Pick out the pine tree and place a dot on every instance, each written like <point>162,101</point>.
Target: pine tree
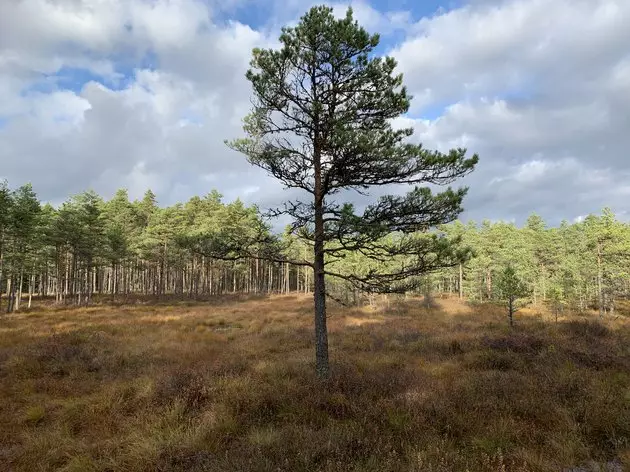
<point>323,106</point>
<point>79,226</point>
<point>6,203</point>
<point>510,288</point>
<point>121,228</point>
<point>22,232</point>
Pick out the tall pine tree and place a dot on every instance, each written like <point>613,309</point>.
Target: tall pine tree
<point>323,105</point>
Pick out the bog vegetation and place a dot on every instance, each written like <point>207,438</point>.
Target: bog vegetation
<point>229,385</point>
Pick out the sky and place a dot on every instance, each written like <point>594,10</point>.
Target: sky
<point>104,94</point>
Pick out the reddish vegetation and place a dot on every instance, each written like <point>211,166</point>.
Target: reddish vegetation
<point>230,385</point>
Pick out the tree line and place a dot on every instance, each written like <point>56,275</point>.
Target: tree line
<point>119,247</point>
<point>575,266</point>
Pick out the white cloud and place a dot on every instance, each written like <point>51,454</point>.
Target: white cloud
<point>541,90</point>
<point>514,45</point>
<point>373,20</point>
<point>164,129</point>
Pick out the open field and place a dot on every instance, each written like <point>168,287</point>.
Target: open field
<point>229,385</point>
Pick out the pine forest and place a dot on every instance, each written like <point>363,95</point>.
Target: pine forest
<point>116,248</point>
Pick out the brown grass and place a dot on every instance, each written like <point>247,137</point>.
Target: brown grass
<point>229,386</point>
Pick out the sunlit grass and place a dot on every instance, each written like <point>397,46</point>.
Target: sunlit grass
<point>230,386</point>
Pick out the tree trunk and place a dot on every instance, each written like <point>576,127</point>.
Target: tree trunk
<point>9,294</point>
<point>319,294</point>
<point>66,292</point>
<point>88,282</point>
<point>234,277</point>
<point>18,300</point>
<point>461,282</point>
<point>257,278</point>
<point>489,283</point>
<point>30,289</point>
<point>600,290</point>
<point>1,274</point>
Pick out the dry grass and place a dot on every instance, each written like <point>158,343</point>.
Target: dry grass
<point>230,386</point>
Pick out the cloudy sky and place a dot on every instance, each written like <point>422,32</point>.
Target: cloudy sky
<point>103,94</point>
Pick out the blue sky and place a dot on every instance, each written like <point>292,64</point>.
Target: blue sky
<point>255,14</point>
<point>143,93</point>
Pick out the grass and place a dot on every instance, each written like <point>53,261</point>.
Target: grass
<point>230,386</point>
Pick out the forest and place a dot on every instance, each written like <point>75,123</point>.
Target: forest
<point>116,248</point>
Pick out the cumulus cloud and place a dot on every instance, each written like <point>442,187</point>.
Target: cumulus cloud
<point>540,90</point>
<point>164,128</point>
<point>142,93</point>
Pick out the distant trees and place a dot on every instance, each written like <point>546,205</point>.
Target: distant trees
<point>509,288</point>
<point>116,248</point>
<point>574,266</point>
<point>5,219</point>
<point>21,225</point>
<point>323,105</point>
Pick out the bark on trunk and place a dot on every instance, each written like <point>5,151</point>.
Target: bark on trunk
<point>31,282</point>
<point>1,274</point>
<point>319,294</point>
<point>321,332</point>
<point>9,295</point>
<point>600,290</point>
<point>18,300</point>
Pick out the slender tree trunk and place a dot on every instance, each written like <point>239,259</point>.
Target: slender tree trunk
<point>30,289</point>
<point>198,276</point>
<point>66,292</point>
<point>234,277</point>
<point>489,283</point>
<point>162,274</point>
<point>1,273</point>
<point>257,277</point>
<point>319,294</point>
<point>79,286</point>
<point>18,299</point>
<point>9,294</point>
<point>461,282</point>
<point>307,281</point>
<point>211,284</point>
<point>88,282</point>
<point>600,290</point>
<point>58,281</point>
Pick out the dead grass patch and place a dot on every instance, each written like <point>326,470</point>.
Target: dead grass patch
<point>228,385</point>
